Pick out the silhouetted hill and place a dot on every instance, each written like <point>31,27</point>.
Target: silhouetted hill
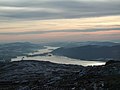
<point>91,52</point>
<point>11,50</point>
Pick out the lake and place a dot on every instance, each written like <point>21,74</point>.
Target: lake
<point>57,59</point>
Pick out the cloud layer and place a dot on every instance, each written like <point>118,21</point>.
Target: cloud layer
<point>56,9</point>
<point>59,20</point>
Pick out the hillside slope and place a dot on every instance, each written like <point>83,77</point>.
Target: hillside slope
<point>35,75</point>
<point>90,52</point>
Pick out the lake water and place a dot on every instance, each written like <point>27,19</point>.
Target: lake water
<point>57,59</point>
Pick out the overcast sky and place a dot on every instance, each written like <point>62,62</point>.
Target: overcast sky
<point>59,20</point>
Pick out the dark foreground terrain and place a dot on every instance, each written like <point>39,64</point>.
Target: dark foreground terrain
<point>38,75</point>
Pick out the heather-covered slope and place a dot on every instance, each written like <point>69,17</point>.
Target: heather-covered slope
<point>35,75</point>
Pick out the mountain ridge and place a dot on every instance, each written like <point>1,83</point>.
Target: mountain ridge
<point>90,52</point>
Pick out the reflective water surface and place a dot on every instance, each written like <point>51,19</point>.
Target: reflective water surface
<point>56,59</point>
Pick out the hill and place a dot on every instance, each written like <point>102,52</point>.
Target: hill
<point>90,52</point>
<point>12,50</point>
<point>39,75</point>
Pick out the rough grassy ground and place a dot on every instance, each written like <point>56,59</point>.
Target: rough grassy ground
<point>38,75</point>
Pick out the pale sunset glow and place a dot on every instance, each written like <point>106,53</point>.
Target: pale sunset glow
<point>61,24</point>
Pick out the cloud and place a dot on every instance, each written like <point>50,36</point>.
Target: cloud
<point>57,31</point>
<point>27,9</point>
<point>63,36</point>
<point>56,9</point>
<point>70,19</point>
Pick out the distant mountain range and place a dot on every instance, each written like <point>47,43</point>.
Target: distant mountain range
<point>91,51</point>
<point>77,44</point>
<point>79,50</point>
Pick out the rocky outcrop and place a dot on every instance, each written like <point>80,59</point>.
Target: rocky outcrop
<point>39,75</point>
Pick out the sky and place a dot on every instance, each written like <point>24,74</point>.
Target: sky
<point>59,20</point>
